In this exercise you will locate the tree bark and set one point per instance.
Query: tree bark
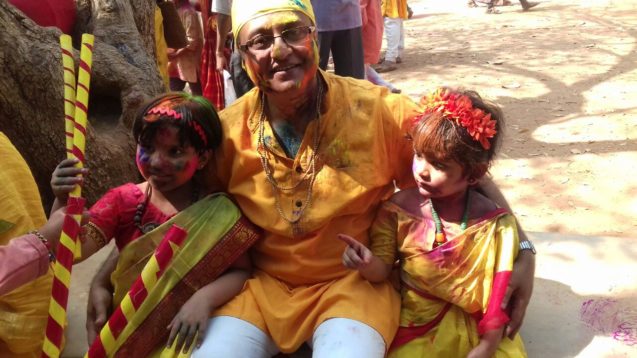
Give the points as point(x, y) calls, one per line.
point(124, 75)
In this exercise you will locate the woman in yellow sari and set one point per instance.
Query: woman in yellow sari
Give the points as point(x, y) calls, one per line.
point(456, 248)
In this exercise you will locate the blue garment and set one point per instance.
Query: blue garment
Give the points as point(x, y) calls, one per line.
point(335, 15)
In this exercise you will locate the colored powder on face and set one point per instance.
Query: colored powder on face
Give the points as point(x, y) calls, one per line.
point(315, 50)
point(276, 51)
point(186, 169)
point(142, 156)
point(284, 18)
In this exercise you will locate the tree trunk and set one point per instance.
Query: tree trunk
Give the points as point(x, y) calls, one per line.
point(124, 74)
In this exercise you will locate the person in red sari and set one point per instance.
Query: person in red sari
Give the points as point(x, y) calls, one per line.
point(211, 77)
point(58, 13)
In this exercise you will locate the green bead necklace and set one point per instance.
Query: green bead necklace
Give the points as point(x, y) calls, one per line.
point(441, 237)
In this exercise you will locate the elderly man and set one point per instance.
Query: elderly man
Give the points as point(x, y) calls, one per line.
point(308, 155)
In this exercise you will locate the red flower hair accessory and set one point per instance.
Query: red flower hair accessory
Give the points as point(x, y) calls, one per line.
point(459, 108)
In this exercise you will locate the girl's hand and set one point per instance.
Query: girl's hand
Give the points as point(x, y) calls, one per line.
point(488, 345)
point(356, 255)
point(65, 177)
point(482, 350)
point(479, 352)
point(190, 321)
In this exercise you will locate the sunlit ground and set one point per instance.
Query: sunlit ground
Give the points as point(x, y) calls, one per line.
point(566, 76)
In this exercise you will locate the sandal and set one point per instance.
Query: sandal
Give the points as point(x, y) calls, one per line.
point(492, 10)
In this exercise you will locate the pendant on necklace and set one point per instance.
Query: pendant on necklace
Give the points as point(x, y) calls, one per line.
point(297, 230)
point(148, 227)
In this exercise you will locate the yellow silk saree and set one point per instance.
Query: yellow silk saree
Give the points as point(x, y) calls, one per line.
point(23, 311)
point(217, 234)
point(450, 294)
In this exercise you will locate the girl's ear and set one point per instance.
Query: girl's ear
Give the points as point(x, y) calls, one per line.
point(204, 158)
point(477, 174)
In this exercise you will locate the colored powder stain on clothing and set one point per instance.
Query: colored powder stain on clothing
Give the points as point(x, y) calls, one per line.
point(290, 141)
point(337, 155)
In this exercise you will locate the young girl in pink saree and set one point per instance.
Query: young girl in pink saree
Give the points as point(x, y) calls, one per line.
point(455, 247)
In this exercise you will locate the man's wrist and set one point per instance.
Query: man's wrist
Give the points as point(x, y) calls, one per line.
point(527, 245)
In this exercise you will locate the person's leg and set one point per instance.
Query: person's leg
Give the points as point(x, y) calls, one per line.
point(325, 44)
point(344, 338)
point(401, 42)
point(195, 88)
point(176, 84)
point(491, 8)
point(392, 41)
point(231, 337)
point(528, 4)
point(392, 35)
point(347, 52)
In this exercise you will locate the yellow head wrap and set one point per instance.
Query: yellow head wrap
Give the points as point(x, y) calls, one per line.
point(246, 10)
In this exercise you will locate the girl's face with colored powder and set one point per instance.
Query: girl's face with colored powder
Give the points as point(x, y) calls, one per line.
point(439, 179)
point(282, 67)
point(166, 163)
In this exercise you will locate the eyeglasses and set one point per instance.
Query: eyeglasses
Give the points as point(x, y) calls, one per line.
point(291, 37)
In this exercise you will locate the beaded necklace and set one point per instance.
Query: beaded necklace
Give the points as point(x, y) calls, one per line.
point(441, 237)
point(141, 209)
point(308, 175)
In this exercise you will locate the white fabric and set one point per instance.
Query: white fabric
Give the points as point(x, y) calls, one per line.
point(228, 89)
point(394, 35)
point(231, 337)
point(221, 6)
point(346, 338)
point(335, 338)
point(374, 77)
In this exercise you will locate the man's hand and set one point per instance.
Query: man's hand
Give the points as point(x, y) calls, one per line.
point(222, 63)
point(518, 294)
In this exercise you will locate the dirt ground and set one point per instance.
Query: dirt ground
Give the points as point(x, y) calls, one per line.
point(565, 74)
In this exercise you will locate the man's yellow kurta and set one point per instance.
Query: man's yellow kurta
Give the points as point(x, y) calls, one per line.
point(24, 311)
point(299, 280)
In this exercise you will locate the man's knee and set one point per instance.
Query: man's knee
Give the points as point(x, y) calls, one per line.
point(342, 337)
point(232, 337)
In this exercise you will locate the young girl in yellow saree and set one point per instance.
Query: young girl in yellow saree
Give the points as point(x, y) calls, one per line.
point(455, 247)
point(176, 134)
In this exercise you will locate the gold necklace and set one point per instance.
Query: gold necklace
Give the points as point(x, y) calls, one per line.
point(308, 175)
